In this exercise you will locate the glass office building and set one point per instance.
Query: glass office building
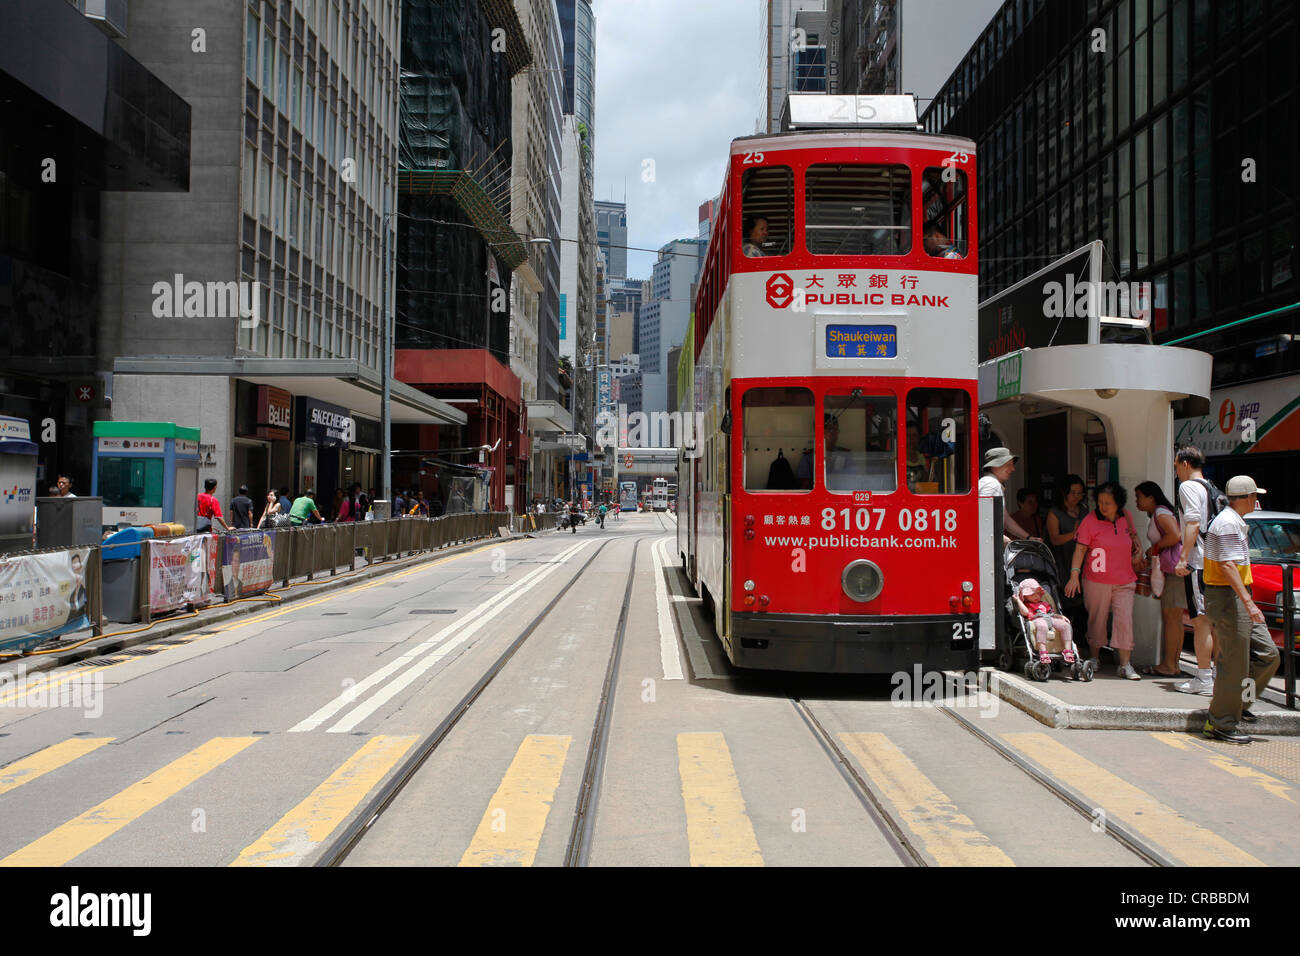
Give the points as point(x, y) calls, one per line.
point(1167, 129)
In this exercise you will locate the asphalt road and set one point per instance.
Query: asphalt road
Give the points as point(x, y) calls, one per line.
point(260, 741)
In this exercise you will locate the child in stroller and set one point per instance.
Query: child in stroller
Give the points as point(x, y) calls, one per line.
point(1035, 605)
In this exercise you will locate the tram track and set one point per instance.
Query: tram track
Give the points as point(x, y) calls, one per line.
point(578, 847)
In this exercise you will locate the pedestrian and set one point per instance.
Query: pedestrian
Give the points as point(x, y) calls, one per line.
point(573, 515)
point(1247, 657)
point(399, 505)
point(602, 514)
point(241, 509)
point(1194, 517)
point(1108, 539)
point(1162, 532)
point(999, 464)
point(209, 508)
point(269, 511)
point(286, 503)
point(337, 505)
point(65, 486)
point(1061, 524)
point(304, 509)
point(1026, 514)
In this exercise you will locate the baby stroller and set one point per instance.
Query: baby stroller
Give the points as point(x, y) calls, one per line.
point(1033, 559)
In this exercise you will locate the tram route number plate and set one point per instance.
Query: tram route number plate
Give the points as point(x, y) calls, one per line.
point(861, 341)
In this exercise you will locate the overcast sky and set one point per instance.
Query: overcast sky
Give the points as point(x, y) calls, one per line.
point(677, 80)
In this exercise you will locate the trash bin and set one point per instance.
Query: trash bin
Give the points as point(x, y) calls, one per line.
point(121, 574)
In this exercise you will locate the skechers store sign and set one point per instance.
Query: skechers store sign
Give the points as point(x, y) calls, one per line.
point(325, 425)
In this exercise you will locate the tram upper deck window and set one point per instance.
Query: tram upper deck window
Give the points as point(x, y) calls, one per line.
point(945, 223)
point(860, 442)
point(858, 210)
point(937, 441)
point(777, 429)
point(767, 203)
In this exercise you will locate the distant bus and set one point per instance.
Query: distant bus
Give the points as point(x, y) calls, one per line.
point(627, 496)
point(659, 495)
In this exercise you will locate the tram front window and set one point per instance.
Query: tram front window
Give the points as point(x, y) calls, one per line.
point(943, 205)
point(858, 210)
point(937, 441)
point(777, 429)
point(860, 443)
point(767, 204)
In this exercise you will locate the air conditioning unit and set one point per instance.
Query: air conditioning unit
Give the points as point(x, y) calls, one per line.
point(108, 15)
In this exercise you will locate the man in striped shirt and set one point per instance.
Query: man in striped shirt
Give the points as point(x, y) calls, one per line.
point(1247, 657)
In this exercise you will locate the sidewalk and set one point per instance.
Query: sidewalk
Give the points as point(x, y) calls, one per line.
point(1110, 702)
point(165, 627)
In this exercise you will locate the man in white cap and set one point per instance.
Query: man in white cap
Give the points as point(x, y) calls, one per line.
point(1247, 657)
point(999, 463)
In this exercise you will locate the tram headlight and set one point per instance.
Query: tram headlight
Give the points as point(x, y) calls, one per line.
point(862, 580)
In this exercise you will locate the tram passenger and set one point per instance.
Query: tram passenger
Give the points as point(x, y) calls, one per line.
point(939, 245)
point(755, 236)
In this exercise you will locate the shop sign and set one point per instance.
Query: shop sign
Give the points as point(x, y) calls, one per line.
point(1009, 369)
point(150, 445)
point(325, 424)
point(1019, 317)
point(186, 447)
point(273, 413)
point(1256, 418)
point(15, 428)
point(369, 433)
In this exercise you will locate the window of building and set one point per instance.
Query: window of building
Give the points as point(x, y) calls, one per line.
point(282, 86)
point(945, 218)
point(277, 205)
point(860, 442)
point(264, 191)
point(268, 64)
point(249, 186)
point(777, 430)
point(251, 32)
point(854, 210)
point(767, 201)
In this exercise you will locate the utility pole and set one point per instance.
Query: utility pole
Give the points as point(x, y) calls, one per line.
point(386, 359)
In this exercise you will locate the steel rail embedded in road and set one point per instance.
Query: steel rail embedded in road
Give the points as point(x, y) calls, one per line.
point(337, 851)
point(891, 829)
point(1113, 828)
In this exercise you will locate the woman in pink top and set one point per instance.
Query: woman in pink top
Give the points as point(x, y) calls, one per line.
point(1109, 540)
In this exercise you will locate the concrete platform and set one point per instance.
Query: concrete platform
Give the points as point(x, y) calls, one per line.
point(1109, 702)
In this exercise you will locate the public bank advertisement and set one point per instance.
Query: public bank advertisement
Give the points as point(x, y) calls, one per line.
point(181, 572)
point(246, 563)
point(1246, 419)
point(42, 596)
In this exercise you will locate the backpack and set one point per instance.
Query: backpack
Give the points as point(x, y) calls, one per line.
point(780, 476)
point(1215, 501)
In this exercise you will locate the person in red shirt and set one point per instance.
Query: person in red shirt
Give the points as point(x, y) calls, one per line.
point(209, 508)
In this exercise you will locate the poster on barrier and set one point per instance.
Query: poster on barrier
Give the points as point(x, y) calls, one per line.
point(181, 571)
point(42, 596)
point(246, 563)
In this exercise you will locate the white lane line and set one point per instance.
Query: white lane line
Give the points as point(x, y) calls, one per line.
point(411, 674)
point(691, 637)
point(668, 651)
point(351, 694)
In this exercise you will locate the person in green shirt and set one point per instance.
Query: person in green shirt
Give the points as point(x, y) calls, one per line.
point(303, 509)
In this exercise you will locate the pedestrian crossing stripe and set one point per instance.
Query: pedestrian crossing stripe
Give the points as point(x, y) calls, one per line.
point(1185, 841)
point(306, 826)
point(66, 843)
point(512, 825)
point(1259, 778)
point(718, 829)
point(51, 758)
point(947, 835)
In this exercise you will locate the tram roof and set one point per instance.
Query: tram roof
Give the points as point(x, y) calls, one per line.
point(852, 138)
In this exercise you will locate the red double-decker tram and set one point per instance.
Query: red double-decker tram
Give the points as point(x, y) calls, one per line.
point(832, 487)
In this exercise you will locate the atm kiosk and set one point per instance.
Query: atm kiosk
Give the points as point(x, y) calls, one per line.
point(146, 472)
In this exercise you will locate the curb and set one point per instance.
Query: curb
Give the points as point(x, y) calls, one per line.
point(224, 612)
point(1056, 713)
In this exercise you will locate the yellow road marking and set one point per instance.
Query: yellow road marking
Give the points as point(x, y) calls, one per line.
point(75, 837)
point(307, 825)
point(717, 826)
point(1182, 839)
point(44, 683)
point(948, 835)
point(511, 828)
point(1224, 762)
point(51, 758)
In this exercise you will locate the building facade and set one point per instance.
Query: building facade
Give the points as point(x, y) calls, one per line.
point(794, 42)
point(664, 318)
point(1150, 126)
point(611, 235)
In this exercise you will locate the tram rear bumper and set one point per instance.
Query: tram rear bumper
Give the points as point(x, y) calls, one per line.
point(854, 644)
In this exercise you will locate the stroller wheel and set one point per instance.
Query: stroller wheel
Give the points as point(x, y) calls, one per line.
point(1004, 661)
point(1042, 670)
point(1029, 670)
point(1088, 671)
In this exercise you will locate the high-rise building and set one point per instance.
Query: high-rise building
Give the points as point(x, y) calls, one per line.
point(1149, 126)
point(578, 26)
point(872, 48)
point(665, 316)
point(795, 40)
point(611, 235)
